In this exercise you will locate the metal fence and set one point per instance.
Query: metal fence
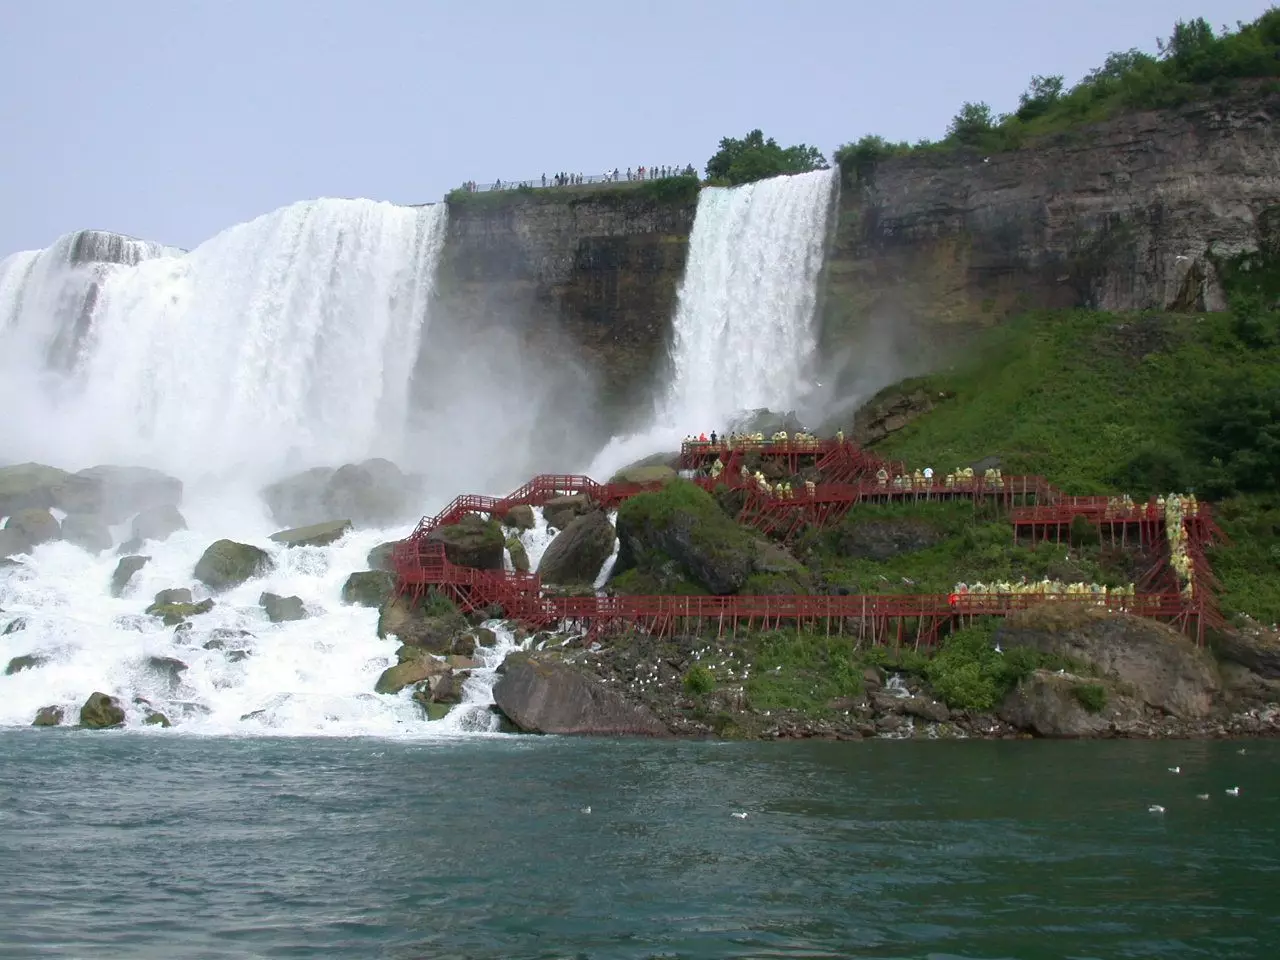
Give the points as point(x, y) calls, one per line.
point(576, 180)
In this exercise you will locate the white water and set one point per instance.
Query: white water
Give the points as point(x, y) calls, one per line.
point(745, 332)
point(280, 343)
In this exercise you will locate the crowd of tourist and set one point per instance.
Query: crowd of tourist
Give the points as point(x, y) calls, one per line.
point(566, 179)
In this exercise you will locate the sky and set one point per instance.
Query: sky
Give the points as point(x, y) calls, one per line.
point(173, 120)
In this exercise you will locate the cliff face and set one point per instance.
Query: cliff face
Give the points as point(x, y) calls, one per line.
point(1122, 215)
point(599, 266)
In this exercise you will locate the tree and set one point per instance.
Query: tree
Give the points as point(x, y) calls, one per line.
point(1042, 93)
point(754, 158)
point(971, 124)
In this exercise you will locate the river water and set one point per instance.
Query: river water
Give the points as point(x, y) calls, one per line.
point(155, 845)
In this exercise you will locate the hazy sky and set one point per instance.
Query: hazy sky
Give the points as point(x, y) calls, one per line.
point(172, 120)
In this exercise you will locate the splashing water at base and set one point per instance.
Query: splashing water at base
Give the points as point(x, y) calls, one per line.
point(475, 713)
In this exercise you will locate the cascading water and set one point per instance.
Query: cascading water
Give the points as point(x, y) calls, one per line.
point(289, 340)
point(744, 330)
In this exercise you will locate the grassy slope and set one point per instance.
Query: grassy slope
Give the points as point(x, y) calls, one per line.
point(1078, 396)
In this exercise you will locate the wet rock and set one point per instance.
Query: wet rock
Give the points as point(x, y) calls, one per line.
point(647, 472)
point(282, 609)
point(374, 493)
point(368, 588)
point(314, 535)
point(116, 493)
point(124, 572)
point(28, 661)
point(471, 542)
point(414, 624)
point(883, 539)
point(445, 687)
point(396, 678)
point(238, 656)
point(519, 556)
point(925, 709)
point(577, 553)
point(547, 696)
point(520, 517)
point(295, 500)
point(169, 668)
point(15, 625)
point(1254, 647)
point(227, 564)
point(48, 717)
point(890, 413)
point(86, 532)
point(380, 557)
point(101, 711)
point(172, 614)
point(12, 544)
point(35, 526)
point(157, 719)
point(559, 512)
point(157, 523)
point(173, 595)
point(28, 485)
point(1163, 668)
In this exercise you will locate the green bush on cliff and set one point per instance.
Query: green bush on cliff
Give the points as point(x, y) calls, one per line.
point(755, 158)
point(1192, 62)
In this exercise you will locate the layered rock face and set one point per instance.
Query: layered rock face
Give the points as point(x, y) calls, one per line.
point(1127, 214)
point(601, 267)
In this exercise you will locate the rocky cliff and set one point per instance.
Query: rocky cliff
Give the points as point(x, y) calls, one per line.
point(1129, 213)
point(599, 264)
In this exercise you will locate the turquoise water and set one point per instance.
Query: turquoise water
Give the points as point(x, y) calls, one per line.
point(162, 846)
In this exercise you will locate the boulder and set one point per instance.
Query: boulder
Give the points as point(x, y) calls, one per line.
point(168, 668)
point(471, 542)
point(315, 535)
point(421, 625)
point(925, 708)
point(866, 538)
point(124, 572)
point(373, 493)
point(172, 614)
point(1255, 647)
point(227, 564)
point(396, 678)
point(576, 554)
point(90, 533)
point(13, 543)
point(157, 523)
point(101, 711)
point(282, 609)
point(443, 687)
point(368, 588)
point(519, 555)
point(27, 486)
point(645, 473)
point(173, 595)
point(520, 517)
point(14, 626)
point(35, 525)
point(295, 500)
point(116, 493)
point(1050, 704)
point(156, 719)
point(380, 557)
point(560, 511)
point(48, 717)
point(28, 661)
point(544, 695)
point(1163, 668)
point(764, 420)
point(683, 525)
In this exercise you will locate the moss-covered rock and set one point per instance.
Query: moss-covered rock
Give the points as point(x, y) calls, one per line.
point(87, 532)
point(560, 511)
point(101, 711)
point(884, 538)
point(683, 525)
point(282, 609)
point(434, 627)
point(36, 525)
point(48, 717)
point(124, 572)
point(472, 542)
point(519, 555)
point(28, 661)
point(170, 669)
point(157, 523)
point(396, 678)
point(227, 564)
point(368, 588)
point(645, 473)
point(29, 485)
point(174, 613)
point(520, 517)
point(577, 553)
point(13, 543)
point(314, 535)
point(116, 493)
point(157, 719)
point(381, 557)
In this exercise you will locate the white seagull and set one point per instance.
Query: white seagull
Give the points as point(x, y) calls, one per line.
point(1155, 808)
point(741, 815)
point(1175, 769)
point(1233, 791)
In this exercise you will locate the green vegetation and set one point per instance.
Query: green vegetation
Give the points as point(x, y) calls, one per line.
point(1192, 62)
point(699, 680)
point(755, 158)
point(1104, 403)
point(1092, 696)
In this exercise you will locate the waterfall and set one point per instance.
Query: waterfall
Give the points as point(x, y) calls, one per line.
point(286, 341)
point(744, 331)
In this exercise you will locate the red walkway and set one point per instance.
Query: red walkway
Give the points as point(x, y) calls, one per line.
point(1036, 509)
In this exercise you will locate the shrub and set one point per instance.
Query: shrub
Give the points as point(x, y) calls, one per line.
point(698, 680)
point(1092, 696)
